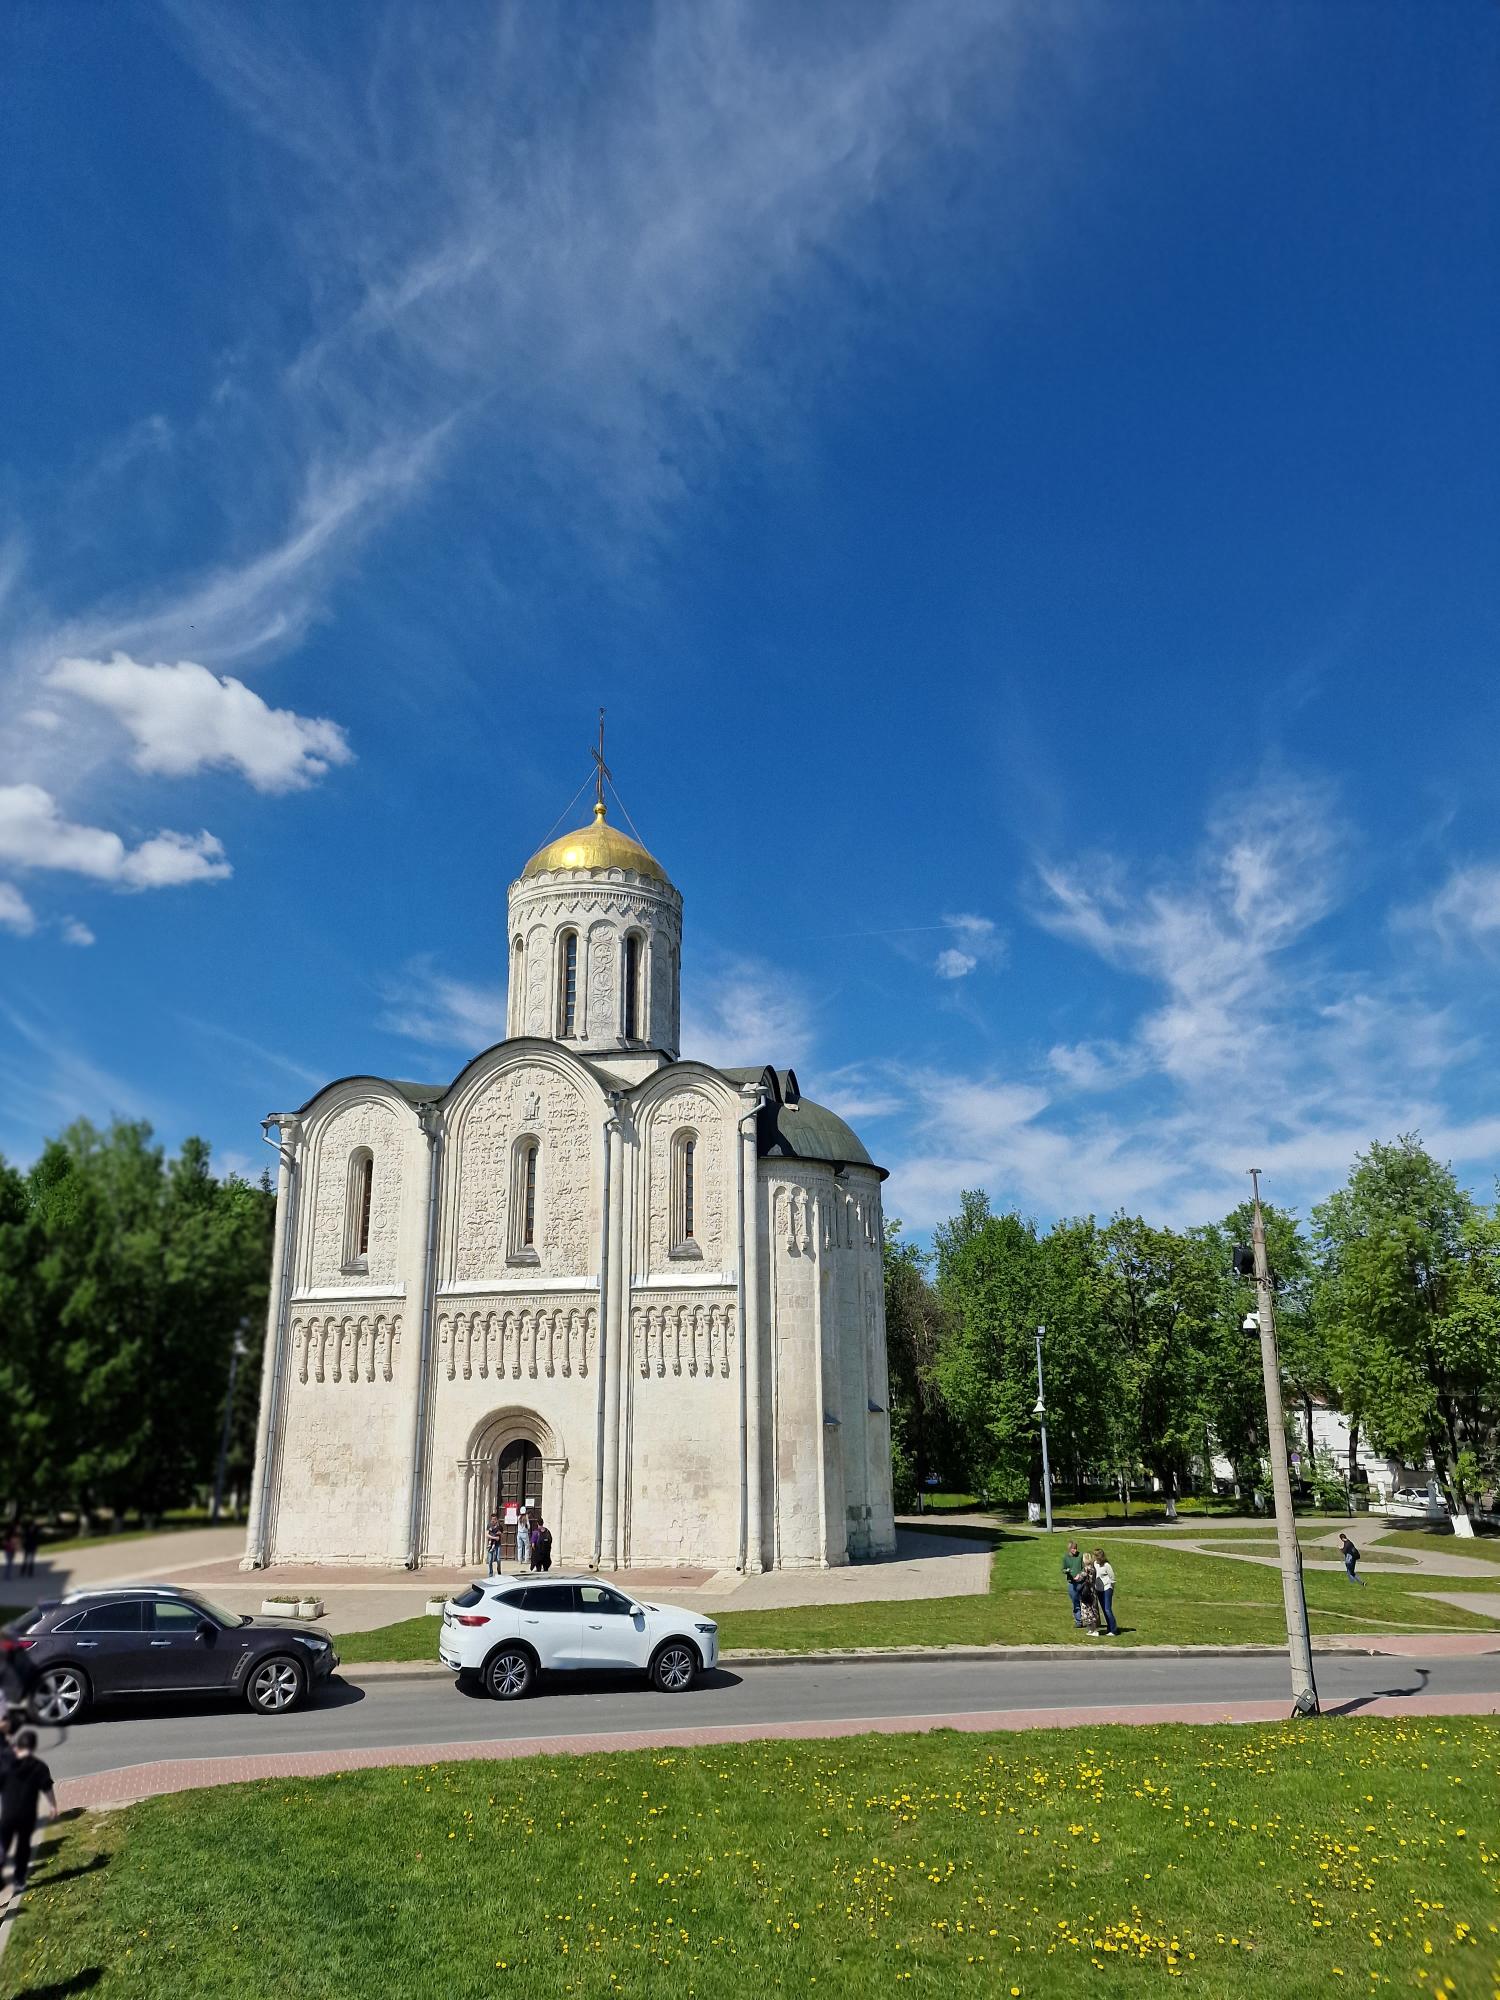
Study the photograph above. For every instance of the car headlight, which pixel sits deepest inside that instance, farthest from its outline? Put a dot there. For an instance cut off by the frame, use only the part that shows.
(311, 1640)
(705, 1626)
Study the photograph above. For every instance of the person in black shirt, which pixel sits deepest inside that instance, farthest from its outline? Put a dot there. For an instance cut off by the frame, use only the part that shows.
(26, 1781)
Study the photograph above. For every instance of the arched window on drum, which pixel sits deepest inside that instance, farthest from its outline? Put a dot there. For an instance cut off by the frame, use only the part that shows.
(635, 987)
(358, 1199)
(686, 1194)
(518, 987)
(567, 985)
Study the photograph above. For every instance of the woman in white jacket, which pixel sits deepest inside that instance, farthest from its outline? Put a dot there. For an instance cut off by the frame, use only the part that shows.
(1104, 1585)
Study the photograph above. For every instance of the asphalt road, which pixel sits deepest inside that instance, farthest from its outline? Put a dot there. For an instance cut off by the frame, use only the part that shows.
(394, 1713)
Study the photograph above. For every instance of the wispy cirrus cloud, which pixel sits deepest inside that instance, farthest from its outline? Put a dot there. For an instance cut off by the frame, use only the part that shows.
(1462, 911)
(424, 1004)
(1253, 1044)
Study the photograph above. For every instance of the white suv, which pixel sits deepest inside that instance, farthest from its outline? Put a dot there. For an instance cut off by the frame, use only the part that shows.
(507, 1629)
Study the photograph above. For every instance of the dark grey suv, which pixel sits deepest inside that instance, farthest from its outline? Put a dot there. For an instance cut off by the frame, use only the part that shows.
(111, 1645)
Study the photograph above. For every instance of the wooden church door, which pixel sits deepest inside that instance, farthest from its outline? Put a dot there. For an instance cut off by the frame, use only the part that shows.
(520, 1484)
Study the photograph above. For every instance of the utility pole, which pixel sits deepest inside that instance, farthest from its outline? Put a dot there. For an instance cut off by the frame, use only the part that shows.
(1304, 1687)
(235, 1354)
(1040, 1412)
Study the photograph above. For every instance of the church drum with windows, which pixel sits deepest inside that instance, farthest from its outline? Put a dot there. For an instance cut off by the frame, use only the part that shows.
(642, 1293)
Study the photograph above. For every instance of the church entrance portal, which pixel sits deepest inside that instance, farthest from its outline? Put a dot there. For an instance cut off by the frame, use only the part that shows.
(519, 1487)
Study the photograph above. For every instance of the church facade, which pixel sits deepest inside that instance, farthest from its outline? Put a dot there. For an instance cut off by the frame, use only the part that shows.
(640, 1294)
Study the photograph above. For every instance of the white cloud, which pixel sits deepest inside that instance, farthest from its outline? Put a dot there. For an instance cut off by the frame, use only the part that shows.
(954, 964)
(16, 914)
(74, 932)
(35, 834)
(425, 1005)
(183, 717)
(1464, 911)
(979, 941)
(739, 1011)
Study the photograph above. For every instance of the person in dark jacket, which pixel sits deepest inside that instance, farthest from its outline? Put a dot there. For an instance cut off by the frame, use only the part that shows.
(1072, 1569)
(26, 1783)
(1351, 1556)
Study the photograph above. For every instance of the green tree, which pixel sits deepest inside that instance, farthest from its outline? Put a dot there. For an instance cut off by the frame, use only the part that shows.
(913, 1322)
(1408, 1300)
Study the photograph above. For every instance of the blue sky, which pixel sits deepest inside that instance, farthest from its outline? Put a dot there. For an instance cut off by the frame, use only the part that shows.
(1022, 480)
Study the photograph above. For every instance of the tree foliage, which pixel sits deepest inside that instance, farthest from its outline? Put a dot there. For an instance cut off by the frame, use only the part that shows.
(1387, 1308)
(124, 1279)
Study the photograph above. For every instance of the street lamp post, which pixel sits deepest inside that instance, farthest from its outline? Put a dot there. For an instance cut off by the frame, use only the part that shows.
(235, 1355)
(1304, 1687)
(1040, 1413)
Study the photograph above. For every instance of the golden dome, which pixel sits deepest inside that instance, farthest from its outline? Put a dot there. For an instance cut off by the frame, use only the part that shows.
(596, 847)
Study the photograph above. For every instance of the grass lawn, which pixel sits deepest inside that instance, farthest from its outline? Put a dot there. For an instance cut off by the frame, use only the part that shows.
(1292, 1860)
(1164, 1596)
(1486, 1548)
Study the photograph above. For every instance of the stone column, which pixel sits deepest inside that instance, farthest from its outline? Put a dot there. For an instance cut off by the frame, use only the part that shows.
(258, 1533)
(750, 1336)
(616, 1358)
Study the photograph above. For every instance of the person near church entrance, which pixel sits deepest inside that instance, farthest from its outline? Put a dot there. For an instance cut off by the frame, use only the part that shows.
(541, 1545)
(27, 1781)
(492, 1536)
(523, 1541)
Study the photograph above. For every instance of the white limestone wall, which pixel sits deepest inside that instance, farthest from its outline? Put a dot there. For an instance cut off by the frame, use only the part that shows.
(800, 1526)
(350, 1367)
(682, 1418)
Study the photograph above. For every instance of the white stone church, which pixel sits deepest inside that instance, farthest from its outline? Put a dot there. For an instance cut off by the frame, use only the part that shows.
(639, 1293)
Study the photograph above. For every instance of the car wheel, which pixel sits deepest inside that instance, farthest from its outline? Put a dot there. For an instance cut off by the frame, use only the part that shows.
(508, 1674)
(675, 1667)
(60, 1695)
(276, 1685)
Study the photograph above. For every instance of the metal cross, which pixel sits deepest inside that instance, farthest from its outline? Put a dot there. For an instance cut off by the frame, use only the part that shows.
(602, 771)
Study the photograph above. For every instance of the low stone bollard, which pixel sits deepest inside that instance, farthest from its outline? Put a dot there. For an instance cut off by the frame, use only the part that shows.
(435, 1606)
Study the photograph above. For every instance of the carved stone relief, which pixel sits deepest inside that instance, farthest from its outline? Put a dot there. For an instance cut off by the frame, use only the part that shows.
(347, 1347)
(508, 1106)
(554, 1338)
(684, 1336)
(690, 1109)
(369, 1124)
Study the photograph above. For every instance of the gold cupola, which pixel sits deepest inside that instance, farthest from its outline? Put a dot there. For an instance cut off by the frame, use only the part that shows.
(595, 848)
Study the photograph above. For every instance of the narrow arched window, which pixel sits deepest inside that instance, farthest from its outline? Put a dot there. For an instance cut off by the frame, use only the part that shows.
(517, 987)
(524, 1195)
(633, 1009)
(685, 1195)
(357, 1208)
(567, 984)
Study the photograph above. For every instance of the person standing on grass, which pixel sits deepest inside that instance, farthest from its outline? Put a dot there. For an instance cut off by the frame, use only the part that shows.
(1088, 1598)
(27, 1782)
(1351, 1556)
(494, 1530)
(1072, 1569)
(1104, 1584)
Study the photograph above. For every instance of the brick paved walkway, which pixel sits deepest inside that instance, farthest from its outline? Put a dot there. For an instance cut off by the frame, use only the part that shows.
(144, 1781)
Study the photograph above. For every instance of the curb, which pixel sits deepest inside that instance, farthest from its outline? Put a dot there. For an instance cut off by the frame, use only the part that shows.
(418, 1670)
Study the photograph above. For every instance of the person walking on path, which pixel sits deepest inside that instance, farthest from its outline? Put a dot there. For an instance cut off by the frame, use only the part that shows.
(1351, 1556)
(494, 1530)
(26, 1783)
(1072, 1569)
(31, 1536)
(1104, 1584)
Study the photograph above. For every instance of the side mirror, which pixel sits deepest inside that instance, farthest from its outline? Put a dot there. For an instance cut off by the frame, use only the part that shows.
(637, 1611)
(206, 1629)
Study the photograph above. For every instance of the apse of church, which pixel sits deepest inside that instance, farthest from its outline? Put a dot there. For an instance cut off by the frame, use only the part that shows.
(653, 1285)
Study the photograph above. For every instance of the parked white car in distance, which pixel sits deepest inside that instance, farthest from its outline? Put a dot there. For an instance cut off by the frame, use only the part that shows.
(505, 1630)
(1413, 1503)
